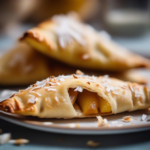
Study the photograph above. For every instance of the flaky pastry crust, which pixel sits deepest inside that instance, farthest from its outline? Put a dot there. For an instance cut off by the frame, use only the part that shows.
(24, 66)
(50, 99)
(77, 44)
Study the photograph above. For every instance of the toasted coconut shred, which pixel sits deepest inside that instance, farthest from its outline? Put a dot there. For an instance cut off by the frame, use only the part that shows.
(127, 119)
(80, 89)
(79, 72)
(4, 138)
(102, 122)
(19, 141)
(143, 117)
(92, 143)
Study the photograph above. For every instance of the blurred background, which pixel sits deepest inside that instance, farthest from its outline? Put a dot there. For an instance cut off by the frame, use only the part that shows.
(127, 21)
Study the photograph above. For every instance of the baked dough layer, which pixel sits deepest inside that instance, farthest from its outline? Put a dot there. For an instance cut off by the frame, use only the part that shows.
(50, 99)
(24, 66)
(84, 47)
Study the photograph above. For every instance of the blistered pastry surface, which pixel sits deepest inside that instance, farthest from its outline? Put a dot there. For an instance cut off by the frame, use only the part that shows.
(50, 99)
(85, 47)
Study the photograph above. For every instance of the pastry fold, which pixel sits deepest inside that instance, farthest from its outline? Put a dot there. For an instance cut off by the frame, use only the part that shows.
(53, 98)
(24, 66)
(84, 47)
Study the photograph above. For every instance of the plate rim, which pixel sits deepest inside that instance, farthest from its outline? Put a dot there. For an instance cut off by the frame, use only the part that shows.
(55, 126)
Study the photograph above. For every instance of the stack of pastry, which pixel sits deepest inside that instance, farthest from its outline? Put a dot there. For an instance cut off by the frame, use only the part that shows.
(60, 46)
(63, 44)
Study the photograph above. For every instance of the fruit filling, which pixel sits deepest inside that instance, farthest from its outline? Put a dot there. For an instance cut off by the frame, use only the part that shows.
(89, 102)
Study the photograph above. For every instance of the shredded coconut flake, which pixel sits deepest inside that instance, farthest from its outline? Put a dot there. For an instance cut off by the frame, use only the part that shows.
(35, 93)
(31, 99)
(106, 76)
(102, 122)
(115, 92)
(94, 78)
(57, 83)
(4, 138)
(51, 89)
(62, 79)
(56, 98)
(92, 143)
(127, 119)
(132, 89)
(19, 141)
(68, 29)
(80, 89)
(144, 117)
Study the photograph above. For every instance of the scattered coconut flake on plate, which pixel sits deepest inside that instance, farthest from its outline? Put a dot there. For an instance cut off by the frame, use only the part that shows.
(127, 119)
(92, 143)
(143, 117)
(102, 122)
(19, 141)
(80, 89)
(47, 123)
(4, 138)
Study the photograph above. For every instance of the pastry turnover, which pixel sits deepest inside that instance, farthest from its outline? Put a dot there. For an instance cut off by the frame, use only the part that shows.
(67, 39)
(24, 66)
(77, 96)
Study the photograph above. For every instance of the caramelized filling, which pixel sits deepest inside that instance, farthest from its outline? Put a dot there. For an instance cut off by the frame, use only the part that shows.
(89, 102)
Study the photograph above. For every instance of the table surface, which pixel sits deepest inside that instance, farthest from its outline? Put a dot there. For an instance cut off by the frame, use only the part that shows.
(46, 141)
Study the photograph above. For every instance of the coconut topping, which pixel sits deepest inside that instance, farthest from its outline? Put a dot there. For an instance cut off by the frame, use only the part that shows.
(69, 29)
(74, 76)
(85, 56)
(4, 138)
(35, 93)
(80, 89)
(78, 72)
(127, 119)
(102, 122)
(19, 141)
(143, 117)
(92, 143)
(32, 99)
(56, 98)
(106, 76)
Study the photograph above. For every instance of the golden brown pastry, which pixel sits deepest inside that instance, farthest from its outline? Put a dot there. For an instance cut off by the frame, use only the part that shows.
(24, 66)
(66, 39)
(77, 96)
